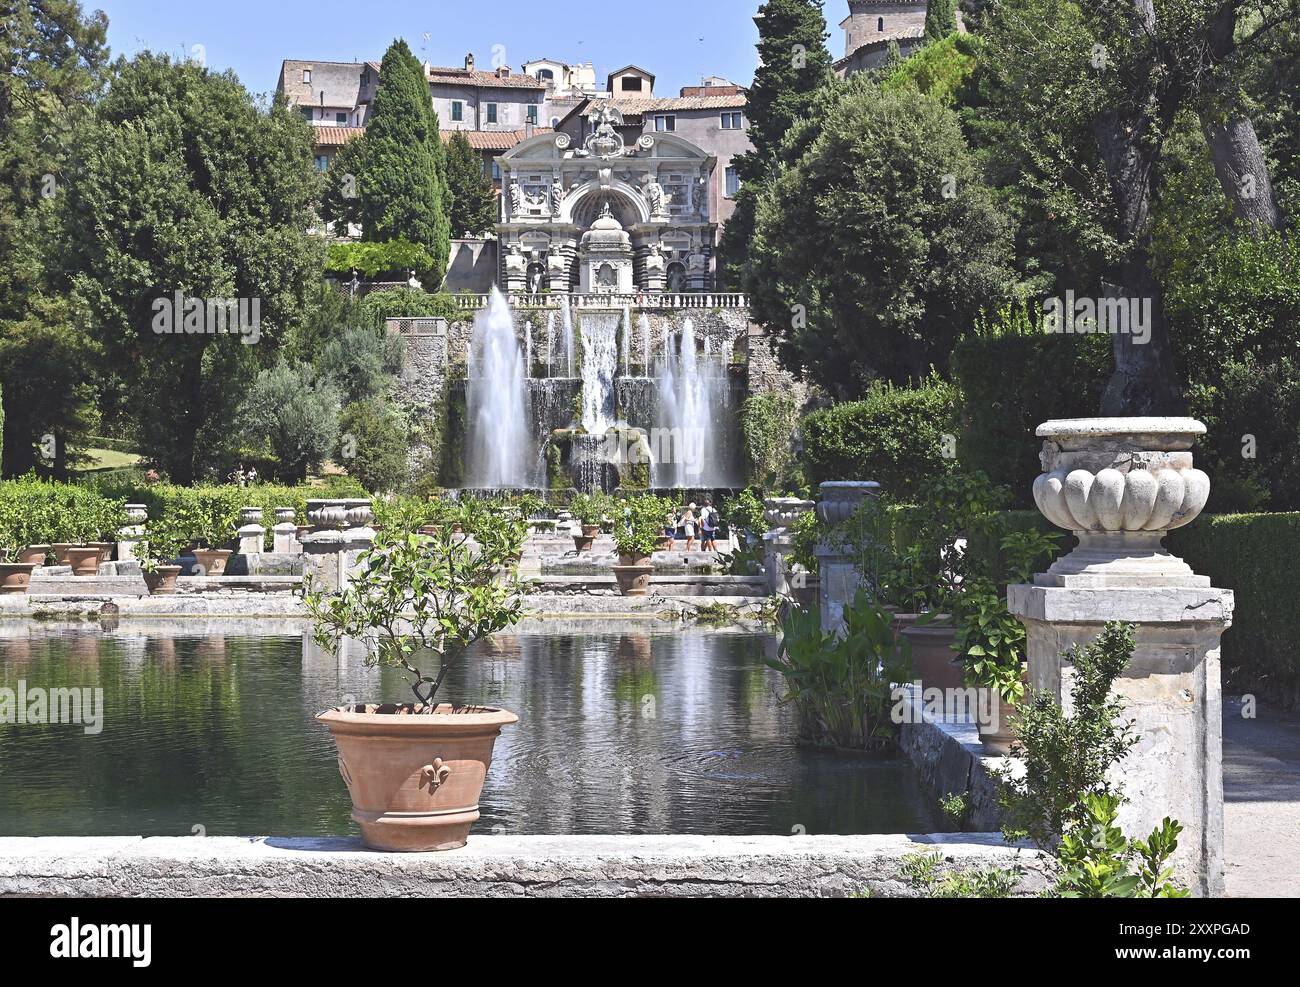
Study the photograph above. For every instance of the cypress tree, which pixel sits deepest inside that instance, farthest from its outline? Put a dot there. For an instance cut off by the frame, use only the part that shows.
(940, 20)
(473, 199)
(403, 181)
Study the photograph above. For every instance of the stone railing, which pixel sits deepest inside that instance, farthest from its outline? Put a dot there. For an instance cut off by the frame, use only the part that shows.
(640, 299)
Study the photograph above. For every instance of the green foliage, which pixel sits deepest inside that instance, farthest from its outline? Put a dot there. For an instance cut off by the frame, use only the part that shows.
(842, 685)
(372, 444)
(745, 512)
(408, 303)
(940, 20)
(593, 509)
(391, 261)
(1252, 555)
(1069, 757)
(164, 541)
(941, 70)
(341, 201)
(181, 182)
(1098, 861)
(42, 512)
(639, 523)
(894, 435)
(361, 362)
(473, 198)
(926, 873)
(767, 427)
(808, 533)
(295, 413)
(403, 179)
(861, 264)
(415, 596)
(1010, 385)
(956, 806)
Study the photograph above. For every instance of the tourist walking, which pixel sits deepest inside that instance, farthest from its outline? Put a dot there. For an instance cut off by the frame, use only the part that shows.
(688, 525)
(709, 526)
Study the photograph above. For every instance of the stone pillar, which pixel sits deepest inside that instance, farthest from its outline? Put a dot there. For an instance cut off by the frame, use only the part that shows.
(782, 513)
(131, 536)
(840, 575)
(285, 538)
(252, 536)
(340, 533)
(1120, 484)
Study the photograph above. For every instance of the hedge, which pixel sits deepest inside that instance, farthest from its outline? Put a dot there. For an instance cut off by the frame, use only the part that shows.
(896, 436)
(1012, 384)
(1253, 555)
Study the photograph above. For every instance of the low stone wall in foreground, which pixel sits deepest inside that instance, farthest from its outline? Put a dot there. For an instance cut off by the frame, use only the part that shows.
(497, 866)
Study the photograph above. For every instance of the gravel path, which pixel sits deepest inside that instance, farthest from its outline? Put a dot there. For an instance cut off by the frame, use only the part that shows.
(1261, 793)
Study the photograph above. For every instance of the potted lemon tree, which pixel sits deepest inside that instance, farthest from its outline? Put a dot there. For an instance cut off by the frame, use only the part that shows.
(162, 545)
(637, 536)
(417, 603)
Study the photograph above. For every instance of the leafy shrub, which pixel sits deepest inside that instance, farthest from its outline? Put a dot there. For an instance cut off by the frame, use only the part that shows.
(1010, 385)
(41, 512)
(296, 414)
(745, 511)
(394, 259)
(767, 427)
(408, 303)
(372, 444)
(1098, 861)
(895, 435)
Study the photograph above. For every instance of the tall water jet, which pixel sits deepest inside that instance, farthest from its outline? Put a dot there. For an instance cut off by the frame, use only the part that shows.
(566, 327)
(550, 344)
(645, 344)
(499, 448)
(625, 344)
(599, 366)
(528, 348)
(693, 398)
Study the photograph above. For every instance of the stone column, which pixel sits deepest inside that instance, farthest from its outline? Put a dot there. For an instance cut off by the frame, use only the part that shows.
(782, 513)
(340, 533)
(840, 574)
(131, 536)
(252, 536)
(1120, 484)
(285, 541)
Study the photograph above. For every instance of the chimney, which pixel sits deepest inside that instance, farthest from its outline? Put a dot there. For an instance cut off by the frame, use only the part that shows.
(503, 72)
(469, 62)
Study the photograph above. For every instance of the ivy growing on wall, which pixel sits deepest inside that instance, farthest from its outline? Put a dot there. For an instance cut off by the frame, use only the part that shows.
(767, 424)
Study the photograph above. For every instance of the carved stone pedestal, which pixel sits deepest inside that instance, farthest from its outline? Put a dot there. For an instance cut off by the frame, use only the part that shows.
(340, 533)
(1120, 484)
(782, 513)
(840, 575)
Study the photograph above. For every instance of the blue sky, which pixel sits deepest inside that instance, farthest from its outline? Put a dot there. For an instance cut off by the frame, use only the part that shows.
(679, 40)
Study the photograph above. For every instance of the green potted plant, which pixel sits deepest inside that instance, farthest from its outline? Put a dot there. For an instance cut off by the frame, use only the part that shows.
(636, 537)
(15, 575)
(591, 511)
(207, 521)
(415, 770)
(990, 642)
(161, 546)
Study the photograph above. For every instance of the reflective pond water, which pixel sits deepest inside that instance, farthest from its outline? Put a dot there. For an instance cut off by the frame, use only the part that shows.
(623, 729)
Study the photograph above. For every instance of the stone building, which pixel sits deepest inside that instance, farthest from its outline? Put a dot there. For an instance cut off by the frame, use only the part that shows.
(872, 25)
(605, 214)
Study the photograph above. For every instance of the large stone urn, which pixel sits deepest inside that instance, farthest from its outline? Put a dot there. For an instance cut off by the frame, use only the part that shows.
(1119, 485)
(340, 532)
(781, 515)
(840, 574)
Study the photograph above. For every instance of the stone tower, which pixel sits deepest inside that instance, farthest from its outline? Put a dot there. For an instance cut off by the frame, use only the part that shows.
(876, 20)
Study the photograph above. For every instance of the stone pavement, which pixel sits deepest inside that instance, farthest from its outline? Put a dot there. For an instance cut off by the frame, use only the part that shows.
(1261, 794)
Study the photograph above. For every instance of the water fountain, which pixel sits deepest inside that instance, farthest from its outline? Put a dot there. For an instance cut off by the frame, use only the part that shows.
(694, 396)
(500, 450)
(599, 367)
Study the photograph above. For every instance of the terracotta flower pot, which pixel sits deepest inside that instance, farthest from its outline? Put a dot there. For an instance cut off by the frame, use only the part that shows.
(212, 560)
(15, 577)
(633, 560)
(633, 580)
(60, 550)
(933, 658)
(84, 560)
(587, 540)
(34, 554)
(105, 549)
(162, 581)
(997, 731)
(415, 779)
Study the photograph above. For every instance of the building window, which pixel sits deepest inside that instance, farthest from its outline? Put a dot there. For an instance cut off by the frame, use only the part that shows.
(733, 121)
(665, 122)
(306, 76)
(457, 111)
(322, 162)
(341, 119)
(306, 113)
(365, 77)
(492, 113)
(631, 84)
(545, 75)
(532, 112)
(733, 182)
(880, 23)
(496, 171)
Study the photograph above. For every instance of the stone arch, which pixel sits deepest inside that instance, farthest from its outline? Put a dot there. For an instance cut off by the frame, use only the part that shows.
(583, 205)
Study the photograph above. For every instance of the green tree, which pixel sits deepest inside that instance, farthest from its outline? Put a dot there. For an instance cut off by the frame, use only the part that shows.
(403, 180)
(372, 445)
(794, 63)
(879, 246)
(341, 200)
(473, 199)
(52, 57)
(180, 183)
(361, 362)
(940, 20)
(294, 412)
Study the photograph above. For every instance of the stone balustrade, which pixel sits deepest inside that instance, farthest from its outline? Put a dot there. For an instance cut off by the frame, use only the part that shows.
(615, 300)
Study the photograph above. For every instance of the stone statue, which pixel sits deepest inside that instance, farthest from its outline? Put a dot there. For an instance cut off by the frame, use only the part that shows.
(414, 282)
(516, 198)
(654, 193)
(557, 196)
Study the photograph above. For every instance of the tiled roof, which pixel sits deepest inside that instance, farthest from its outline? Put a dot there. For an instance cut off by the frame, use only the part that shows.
(880, 40)
(336, 136)
(495, 140)
(638, 107)
(486, 80)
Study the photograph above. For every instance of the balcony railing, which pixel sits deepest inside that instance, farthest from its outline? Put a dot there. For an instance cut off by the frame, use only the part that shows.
(639, 299)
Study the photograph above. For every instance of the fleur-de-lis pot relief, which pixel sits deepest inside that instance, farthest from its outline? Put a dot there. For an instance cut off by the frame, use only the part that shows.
(435, 775)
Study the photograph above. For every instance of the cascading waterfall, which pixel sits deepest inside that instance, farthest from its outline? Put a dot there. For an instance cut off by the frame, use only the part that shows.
(599, 367)
(693, 396)
(528, 348)
(645, 343)
(566, 327)
(625, 343)
(550, 344)
(499, 448)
